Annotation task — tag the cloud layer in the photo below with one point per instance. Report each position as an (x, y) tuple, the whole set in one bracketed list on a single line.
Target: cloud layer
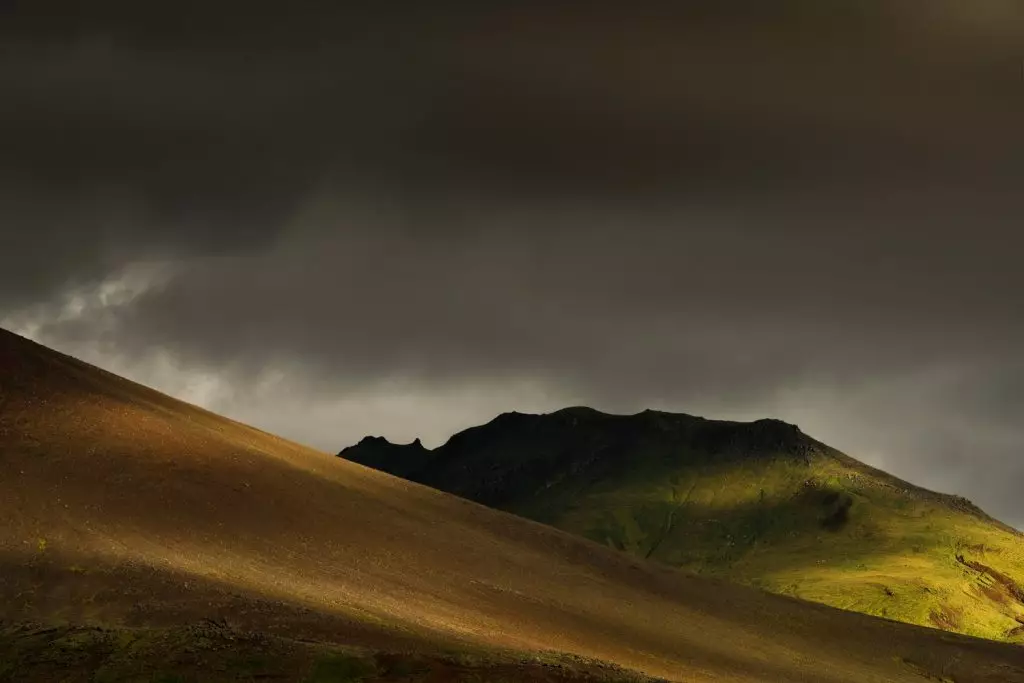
[(346, 223)]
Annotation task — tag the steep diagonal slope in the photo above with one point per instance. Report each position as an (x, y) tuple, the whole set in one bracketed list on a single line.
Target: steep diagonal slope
[(760, 502), (118, 504)]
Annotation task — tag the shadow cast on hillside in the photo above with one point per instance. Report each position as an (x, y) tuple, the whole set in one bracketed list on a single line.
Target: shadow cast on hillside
[(51, 595), (139, 596), (136, 595)]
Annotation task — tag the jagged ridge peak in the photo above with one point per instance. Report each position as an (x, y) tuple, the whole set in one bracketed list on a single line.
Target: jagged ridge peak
[(383, 441), (766, 426), (516, 451), (379, 453)]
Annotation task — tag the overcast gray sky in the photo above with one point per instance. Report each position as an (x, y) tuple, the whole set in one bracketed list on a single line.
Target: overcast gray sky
[(332, 225)]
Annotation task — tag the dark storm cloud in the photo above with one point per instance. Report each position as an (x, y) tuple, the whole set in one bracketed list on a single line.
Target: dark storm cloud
[(708, 207), (129, 140)]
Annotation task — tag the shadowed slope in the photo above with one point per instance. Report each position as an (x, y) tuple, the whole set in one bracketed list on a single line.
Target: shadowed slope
[(120, 505), (758, 502)]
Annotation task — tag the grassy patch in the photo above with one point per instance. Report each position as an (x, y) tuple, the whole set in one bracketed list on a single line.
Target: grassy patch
[(208, 652), (338, 668), (926, 673)]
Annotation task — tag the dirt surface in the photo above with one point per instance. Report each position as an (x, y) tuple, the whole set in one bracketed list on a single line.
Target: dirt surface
[(121, 506), (212, 650)]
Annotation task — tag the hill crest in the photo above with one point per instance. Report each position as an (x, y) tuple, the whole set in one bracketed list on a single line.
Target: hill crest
[(121, 506), (752, 439)]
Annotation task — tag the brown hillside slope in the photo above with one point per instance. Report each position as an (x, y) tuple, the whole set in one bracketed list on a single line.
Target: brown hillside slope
[(121, 505)]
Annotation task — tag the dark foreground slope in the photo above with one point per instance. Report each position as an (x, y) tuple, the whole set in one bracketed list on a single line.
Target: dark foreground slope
[(759, 502), (122, 507)]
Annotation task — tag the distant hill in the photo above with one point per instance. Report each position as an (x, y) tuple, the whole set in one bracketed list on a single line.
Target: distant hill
[(760, 503)]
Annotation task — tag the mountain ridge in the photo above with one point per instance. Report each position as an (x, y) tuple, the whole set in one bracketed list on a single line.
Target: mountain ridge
[(775, 430), (760, 502)]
